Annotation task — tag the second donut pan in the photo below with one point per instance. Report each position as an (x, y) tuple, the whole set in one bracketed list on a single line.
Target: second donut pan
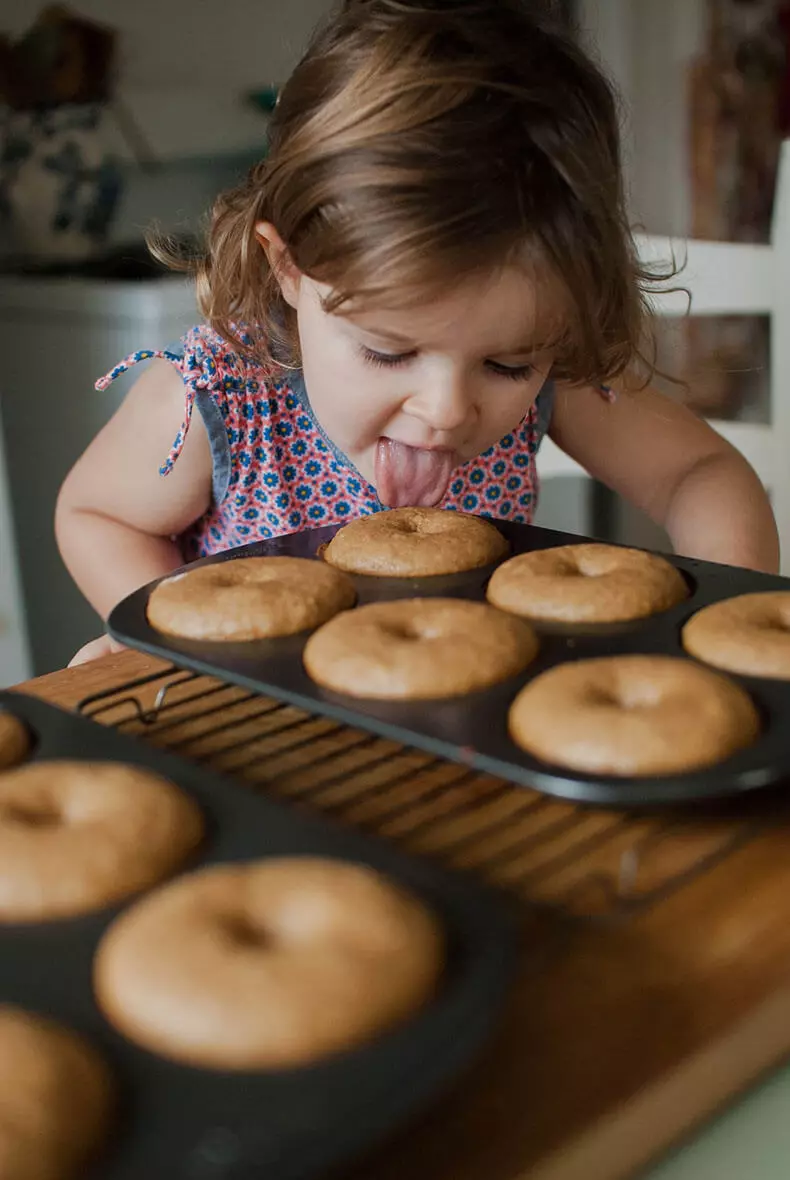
[(180, 1123), (473, 729)]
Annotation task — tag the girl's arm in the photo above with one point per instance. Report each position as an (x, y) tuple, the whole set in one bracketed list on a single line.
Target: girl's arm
[(672, 465), (116, 515)]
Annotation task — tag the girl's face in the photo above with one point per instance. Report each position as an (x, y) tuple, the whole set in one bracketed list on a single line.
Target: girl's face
[(410, 394)]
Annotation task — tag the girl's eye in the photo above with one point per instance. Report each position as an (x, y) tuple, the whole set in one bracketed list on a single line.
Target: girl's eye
[(385, 360), (393, 360), (511, 373)]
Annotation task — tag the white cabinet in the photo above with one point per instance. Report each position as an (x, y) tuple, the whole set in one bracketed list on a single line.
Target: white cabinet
[(57, 336)]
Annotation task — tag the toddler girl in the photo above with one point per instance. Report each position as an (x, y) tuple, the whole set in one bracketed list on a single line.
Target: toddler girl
[(430, 270)]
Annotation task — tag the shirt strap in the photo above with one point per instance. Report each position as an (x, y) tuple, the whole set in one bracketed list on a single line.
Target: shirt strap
[(190, 389)]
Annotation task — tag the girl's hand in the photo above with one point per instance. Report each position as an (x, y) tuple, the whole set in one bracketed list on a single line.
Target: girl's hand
[(103, 646)]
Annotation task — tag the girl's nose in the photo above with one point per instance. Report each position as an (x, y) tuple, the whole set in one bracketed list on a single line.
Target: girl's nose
[(444, 403)]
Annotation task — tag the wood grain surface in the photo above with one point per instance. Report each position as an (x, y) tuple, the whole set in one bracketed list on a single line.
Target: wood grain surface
[(656, 949)]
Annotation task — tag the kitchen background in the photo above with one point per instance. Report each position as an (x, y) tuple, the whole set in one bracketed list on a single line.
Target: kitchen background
[(165, 118)]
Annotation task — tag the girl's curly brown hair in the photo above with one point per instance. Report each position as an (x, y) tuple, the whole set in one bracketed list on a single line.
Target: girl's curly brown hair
[(420, 143)]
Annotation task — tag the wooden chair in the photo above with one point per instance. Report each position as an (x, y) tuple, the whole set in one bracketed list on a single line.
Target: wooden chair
[(727, 279)]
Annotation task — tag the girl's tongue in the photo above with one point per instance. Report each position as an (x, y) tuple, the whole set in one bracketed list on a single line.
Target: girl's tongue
[(408, 477)]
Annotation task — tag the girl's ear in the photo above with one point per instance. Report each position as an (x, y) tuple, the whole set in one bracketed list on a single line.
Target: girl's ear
[(283, 267)]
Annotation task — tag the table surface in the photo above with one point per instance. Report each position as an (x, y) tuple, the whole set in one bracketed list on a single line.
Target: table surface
[(656, 970)]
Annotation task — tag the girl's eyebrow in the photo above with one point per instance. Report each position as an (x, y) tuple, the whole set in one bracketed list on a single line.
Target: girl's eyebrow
[(383, 334)]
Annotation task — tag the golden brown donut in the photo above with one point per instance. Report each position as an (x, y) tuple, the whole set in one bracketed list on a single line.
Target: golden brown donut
[(419, 648), (76, 836), (749, 634), (14, 740), (56, 1099), (415, 543), (249, 598), (586, 583), (632, 715), (267, 965)]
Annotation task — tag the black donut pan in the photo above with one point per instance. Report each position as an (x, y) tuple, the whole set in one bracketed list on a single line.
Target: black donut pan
[(473, 730), (179, 1123)]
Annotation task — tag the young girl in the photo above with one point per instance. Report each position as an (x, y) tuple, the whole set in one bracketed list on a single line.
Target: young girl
[(430, 271)]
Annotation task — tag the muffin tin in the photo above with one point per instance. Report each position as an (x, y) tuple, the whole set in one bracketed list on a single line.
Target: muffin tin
[(473, 729), (179, 1123)]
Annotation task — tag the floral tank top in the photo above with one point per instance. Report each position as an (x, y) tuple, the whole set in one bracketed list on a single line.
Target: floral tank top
[(275, 471)]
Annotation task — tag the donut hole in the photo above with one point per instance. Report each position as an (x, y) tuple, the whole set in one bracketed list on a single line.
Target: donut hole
[(604, 698), (426, 526), (566, 567), (405, 632), (592, 566), (627, 698), (406, 526), (780, 622), (32, 817), (243, 933), (224, 579)]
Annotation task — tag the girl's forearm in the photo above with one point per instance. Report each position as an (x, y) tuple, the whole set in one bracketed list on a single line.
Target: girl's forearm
[(109, 560), (720, 512)]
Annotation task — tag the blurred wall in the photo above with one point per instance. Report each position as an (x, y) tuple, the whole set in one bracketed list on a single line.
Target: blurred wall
[(646, 46), (240, 42), (184, 63)]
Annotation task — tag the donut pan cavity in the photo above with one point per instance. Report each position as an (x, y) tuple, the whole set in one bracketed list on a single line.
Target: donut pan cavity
[(178, 1123), (472, 730)]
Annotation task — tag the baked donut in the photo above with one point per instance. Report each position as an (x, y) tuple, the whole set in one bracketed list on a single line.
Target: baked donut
[(749, 634), (14, 740), (76, 836), (418, 648), (632, 715), (249, 598), (586, 583), (267, 965), (56, 1099), (415, 543)]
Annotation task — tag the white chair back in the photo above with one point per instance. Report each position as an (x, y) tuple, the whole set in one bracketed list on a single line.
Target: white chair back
[(729, 279)]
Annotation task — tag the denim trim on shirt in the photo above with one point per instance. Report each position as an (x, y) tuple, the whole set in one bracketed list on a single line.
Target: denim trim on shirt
[(217, 434)]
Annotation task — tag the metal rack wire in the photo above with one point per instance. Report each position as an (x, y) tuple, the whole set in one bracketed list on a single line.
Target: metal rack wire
[(586, 863)]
